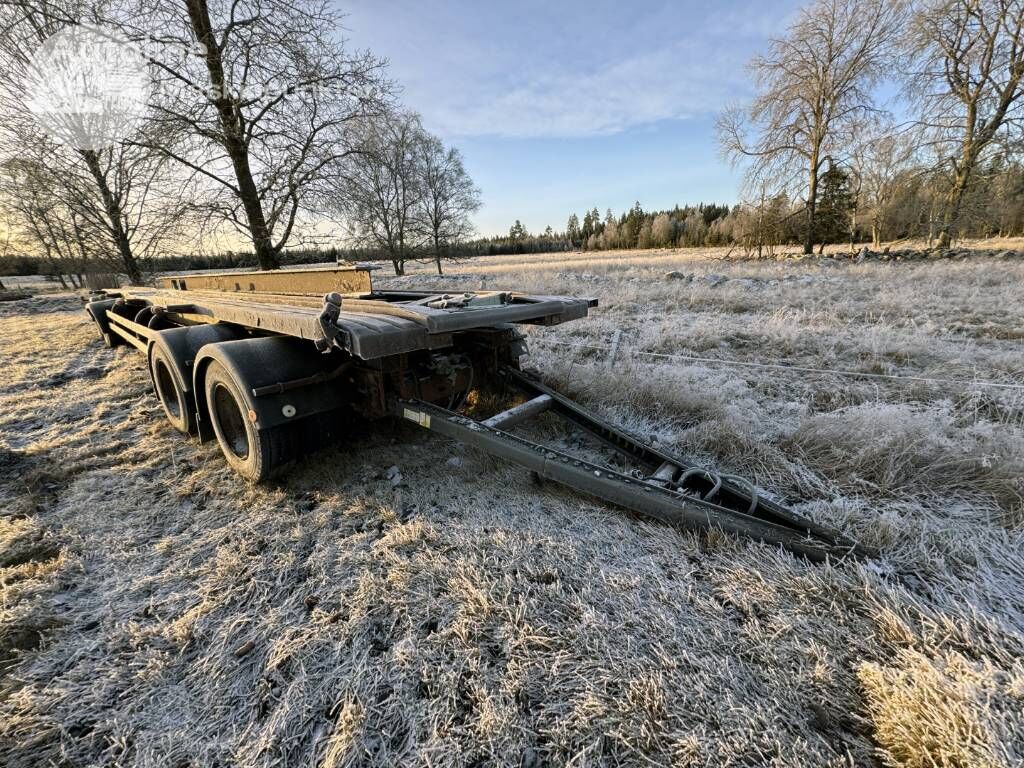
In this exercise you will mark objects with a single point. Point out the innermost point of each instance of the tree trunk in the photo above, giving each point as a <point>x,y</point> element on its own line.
<point>812,204</point>
<point>249,195</point>
<point>399,266</point>
<point>954,200</point>
<point>760,227</point>
<point>233,139</point>
<point>437,254</point>
<point>113,208</point>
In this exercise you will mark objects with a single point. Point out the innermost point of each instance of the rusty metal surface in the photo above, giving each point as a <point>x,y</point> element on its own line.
<point>293,320</point>
<point>521,308</point>
<point>369,327</point>
<point>300,282</point>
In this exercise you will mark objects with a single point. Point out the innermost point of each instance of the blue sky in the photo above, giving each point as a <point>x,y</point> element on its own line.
<point>562,105</point>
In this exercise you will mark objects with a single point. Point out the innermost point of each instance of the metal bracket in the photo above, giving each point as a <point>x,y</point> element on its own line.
<point>328,320</point>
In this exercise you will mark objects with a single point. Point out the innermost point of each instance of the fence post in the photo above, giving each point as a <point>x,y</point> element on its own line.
<point>615,348</point>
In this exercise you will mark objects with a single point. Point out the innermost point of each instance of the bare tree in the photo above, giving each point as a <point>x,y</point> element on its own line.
<point>383,194</point>
<point>59,205</point>
<point>1007,207</point>
<point>8,226</point>
<point>662,231</point>
<point>38,217</point>
<point>758,225</point>
<point>267,103</point>
<point>5,249</point>
<point>967,72</point>
<point>448,196</point>
<point>108,171</point>
<point>814,85</point>
<point>881,161</point>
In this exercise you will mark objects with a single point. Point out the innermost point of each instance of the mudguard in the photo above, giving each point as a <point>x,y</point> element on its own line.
<point>270,362</point>
<point>182,344</point>
<point>98,312</point>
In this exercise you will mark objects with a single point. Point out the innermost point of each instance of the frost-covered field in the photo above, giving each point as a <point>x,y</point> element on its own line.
<point>156,611</point>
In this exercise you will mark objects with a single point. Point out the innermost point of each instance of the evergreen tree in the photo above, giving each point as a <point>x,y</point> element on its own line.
<point>630,229</point>
<point>835,206</point>
<point>572,229</point>
<point>588,227</point>
<point>646,237</point>
<point>517,231</point>
<point>517,234</point>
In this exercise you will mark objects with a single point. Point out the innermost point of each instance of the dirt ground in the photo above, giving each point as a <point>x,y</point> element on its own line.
<point>157,611</point>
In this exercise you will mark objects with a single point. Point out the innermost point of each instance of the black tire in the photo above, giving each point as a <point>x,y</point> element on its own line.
<point>128,309</point>
<point>158,320</point>
<point>179,407</point>
<point>110,338</point>
<point>253,453</point>
<point>144,315</point>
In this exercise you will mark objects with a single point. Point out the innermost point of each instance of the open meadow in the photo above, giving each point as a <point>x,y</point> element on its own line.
<point>402,600</point>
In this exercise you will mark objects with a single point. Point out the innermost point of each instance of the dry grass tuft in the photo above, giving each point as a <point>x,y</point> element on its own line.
<point>899,449</point>
<point>155,611</point>
<point>941,712</point>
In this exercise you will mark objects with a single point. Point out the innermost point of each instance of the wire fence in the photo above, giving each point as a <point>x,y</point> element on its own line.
<point>613,350</point>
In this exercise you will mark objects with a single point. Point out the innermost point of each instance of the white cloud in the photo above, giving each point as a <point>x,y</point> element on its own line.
<point>664,84</point>
<point>573,68</point>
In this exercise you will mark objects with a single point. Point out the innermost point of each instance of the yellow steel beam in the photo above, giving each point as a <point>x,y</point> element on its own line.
<point>297,282</point>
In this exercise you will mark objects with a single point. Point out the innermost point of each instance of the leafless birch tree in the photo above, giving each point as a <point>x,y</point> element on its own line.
<point>60,206</point>
<point>448,197</point>
<point>383,193</point>
<point>267,102</point>
<point>813,85</point>
<point>966,61</point>
<point>108,172</point>
<point>881,161</point>
<point>39,220</point>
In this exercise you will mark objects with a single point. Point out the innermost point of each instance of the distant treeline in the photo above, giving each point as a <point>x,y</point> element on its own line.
<point>39,265</point>
<point>907,202</point>
<point>337,144</point>
<point>684,226</point>
<point>906,205</point>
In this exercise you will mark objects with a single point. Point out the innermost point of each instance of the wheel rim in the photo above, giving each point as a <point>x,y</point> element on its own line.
<point>166,389</point>
<point>230,421</point>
